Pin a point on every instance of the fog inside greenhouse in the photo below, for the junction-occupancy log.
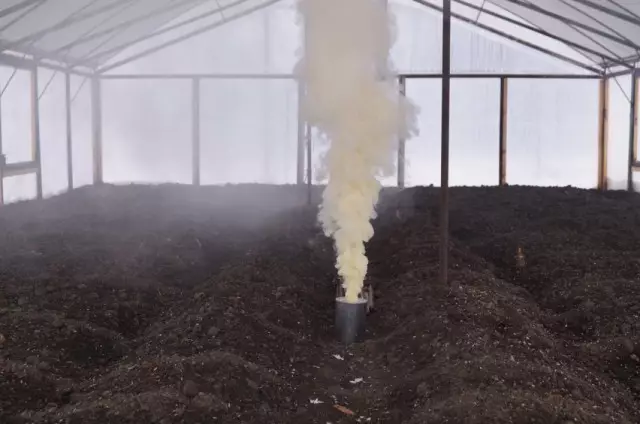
(249, 127)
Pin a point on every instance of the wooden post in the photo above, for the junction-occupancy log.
(308, 136)
(195, 131)
(603, 133)
(3, 159)
(35, 130)
(502, 161)
(402, 143)
(633, 130)
(301, 137)
(96, 129)
(67, 95)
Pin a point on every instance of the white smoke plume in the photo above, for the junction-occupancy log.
(352, 97)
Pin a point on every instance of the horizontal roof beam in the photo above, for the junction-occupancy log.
(540, 31)
(122, 26)
(72, 19)
(610, 11)
(510, 37)
(188, 36)
(18, 7)
(268, 76)
(99, 57)
(574, 23)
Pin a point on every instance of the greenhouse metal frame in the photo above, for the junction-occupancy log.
(604, 34)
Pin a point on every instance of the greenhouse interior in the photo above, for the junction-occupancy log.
(191, 197)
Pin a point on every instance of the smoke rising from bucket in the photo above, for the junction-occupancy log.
(351, 95)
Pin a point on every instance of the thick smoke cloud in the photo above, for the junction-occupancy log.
(353, 98)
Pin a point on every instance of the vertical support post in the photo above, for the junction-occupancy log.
(402, 143)
(603, 133)
(301, 136)
(444, 156)
(195, 131)
(308, 136)
(67, 104)
(266, 151)
(3, 159)
(35, 130)
(633, 129)
(502, 161)
(96, 129)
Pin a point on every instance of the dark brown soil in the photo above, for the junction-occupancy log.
(174, 304)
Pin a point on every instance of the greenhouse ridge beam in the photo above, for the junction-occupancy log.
(575, 46)
(188, 36)
(514, 39)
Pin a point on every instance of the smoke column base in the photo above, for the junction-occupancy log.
(350, 320)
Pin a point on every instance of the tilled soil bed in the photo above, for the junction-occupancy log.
(173, 304)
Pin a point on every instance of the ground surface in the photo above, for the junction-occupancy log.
(199, 305)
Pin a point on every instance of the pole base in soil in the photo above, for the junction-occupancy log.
(350, 320)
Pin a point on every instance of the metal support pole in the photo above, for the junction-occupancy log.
(35, 131)
(603, 133)
(301, 136)
(444, 157)
(67, 100)
(308, 136)
(195, 131)
(633, 129)
(502, 161)
(2, 159)
(402, 143)
(96, 129)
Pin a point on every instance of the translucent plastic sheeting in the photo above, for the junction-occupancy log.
(16, 114)
(268, 42)
(552, 133)
(474, 133)
(263, 42)
(81, 131)
(561, 28)
(249, 131)
(53, 132)
(423, 152)
(200, 14)
(146, 131)
(100, 29)
(483, 13)
(21, 187)
(619, 120)
(60, 27)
